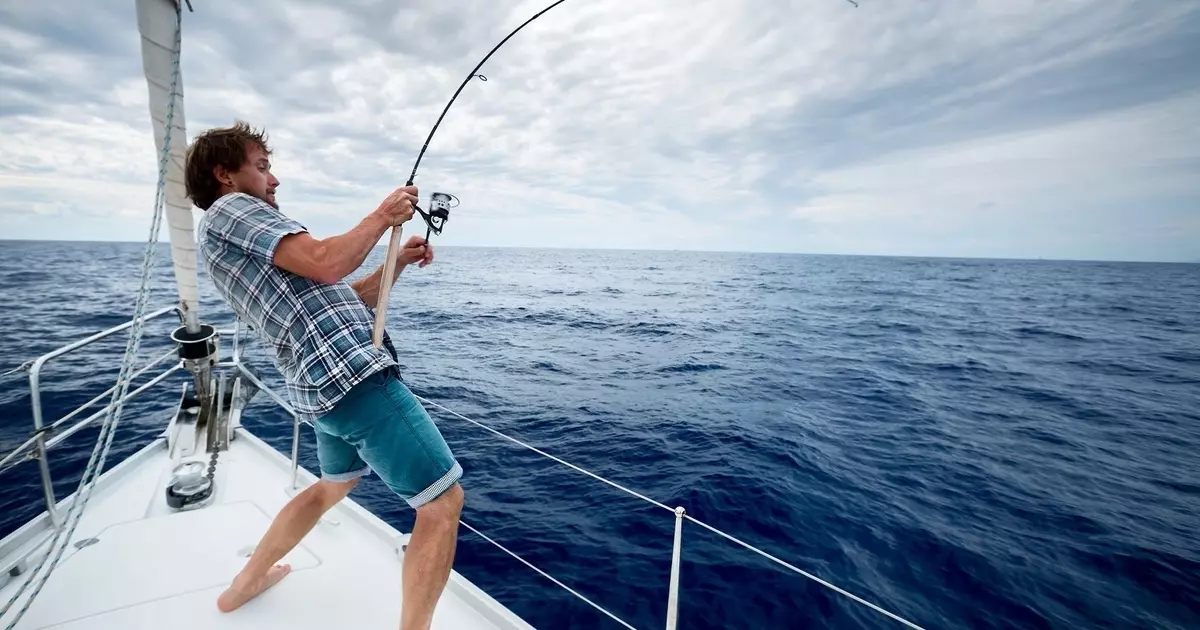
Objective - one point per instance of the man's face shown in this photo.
(255, 178)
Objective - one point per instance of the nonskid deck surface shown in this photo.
(151, 567)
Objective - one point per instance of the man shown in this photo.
(291, 288)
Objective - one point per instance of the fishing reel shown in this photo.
(439, 212)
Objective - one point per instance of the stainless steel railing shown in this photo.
(37, 446)
(236, 362)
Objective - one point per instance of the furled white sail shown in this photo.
(157, 23)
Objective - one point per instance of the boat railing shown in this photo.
(41, 441)
(678, 512)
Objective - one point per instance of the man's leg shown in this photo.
(291, 525)
(398, 440)
(429, 557)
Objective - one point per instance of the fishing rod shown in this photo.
(439, 203)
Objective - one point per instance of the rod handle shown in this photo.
(385, 285)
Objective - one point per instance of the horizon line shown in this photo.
(701, 251)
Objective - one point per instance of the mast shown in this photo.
(157, 23)
(160, 24)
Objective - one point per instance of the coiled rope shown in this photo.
(95, 466)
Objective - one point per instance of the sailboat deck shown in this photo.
(152, 567)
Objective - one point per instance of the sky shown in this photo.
(977, 128)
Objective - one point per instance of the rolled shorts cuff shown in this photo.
(436, 489)
(346, 476)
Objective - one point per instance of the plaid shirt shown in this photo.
(321, 333)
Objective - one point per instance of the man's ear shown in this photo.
(223, 175)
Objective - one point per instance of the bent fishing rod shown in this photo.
(439, 203)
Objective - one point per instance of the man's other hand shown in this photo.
(416, 250)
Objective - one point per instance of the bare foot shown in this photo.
(241, 591)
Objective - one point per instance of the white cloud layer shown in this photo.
(998, 128)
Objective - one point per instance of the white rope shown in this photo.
(95, 465)
(545, 454)
(548, 576)
(782, 563)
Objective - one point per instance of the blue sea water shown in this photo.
(969, 443)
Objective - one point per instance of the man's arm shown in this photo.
(330, 259)
(368, 287)
(416, 250)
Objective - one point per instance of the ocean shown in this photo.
(968, 443)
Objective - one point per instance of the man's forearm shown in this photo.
(341, 255)
(368, 287)
(330, 260)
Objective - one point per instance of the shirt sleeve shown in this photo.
(253, 226)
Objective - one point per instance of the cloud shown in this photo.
(1099, 186)
(1002, 128)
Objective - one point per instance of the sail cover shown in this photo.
(157, 23)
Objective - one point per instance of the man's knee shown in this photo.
(331, 492)
(447, 507)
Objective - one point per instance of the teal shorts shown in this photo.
(380, 425)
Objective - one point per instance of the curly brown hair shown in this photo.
(222, 146)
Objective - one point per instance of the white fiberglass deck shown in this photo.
(151, 567)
